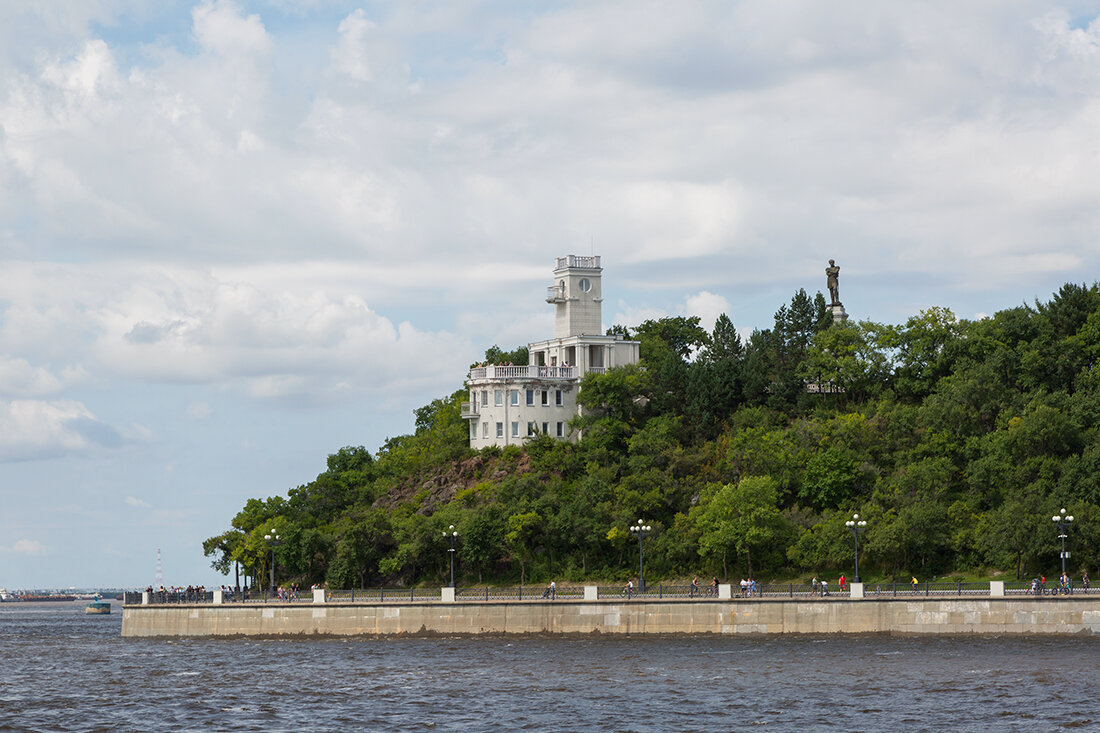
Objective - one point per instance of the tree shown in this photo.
(523, 531)
(482, 540)
(773, 355)
(682, 335)
(920, 350)
(714, 381)
(363, 539)
(846, 359)
(742, 517)
(518, 356)
(831, 478)
(616, 392)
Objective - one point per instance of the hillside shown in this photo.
(956, 440)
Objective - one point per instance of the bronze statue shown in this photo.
(832, 274)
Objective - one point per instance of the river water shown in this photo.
(63, 671)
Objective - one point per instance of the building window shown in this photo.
(515, 430)
(500, 430)
(484, 398)
(531, 429)
(546, 428)
(557, 398)
(561, 430)
(473, 430)
(498, 397)
(515, 396)
(530, 397)
(545, 397)
(484, 430)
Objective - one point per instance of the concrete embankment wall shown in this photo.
(1073, 615)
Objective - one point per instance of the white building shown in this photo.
(509, 404)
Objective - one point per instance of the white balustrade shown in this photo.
(532, 371)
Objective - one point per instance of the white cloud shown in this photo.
(221, 26)
(276, 334)
(138, 503)
(708, 307)
(351, 53)
(28, 547)
(35, 429)
(19, 379)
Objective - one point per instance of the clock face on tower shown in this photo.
(584, 285)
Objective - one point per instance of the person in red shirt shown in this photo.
(842, 586)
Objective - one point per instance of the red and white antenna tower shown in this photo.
(160, 572)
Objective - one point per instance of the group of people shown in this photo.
(291, 592)
(175, 593)
(711, 591)
(1065, 584)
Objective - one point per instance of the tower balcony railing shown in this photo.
(555, 294)
(590, 263)
(532, 371)
(470, 410)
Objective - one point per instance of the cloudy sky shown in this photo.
(236, 235)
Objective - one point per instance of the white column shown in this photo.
(145, 598)
(725, 590)
(997, 589)
(591, 593)
(218, 598)
(857, 590)
(318, 595)
(447, 595)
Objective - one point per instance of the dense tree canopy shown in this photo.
(956, 440)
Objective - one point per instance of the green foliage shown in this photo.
(739, 518)
(680, 335)
(519, 356)
(955, 440)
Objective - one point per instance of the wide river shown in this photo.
(63, 671)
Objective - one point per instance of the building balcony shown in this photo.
(504, 373)
(469, 411)
(577, 262)
(555, 294)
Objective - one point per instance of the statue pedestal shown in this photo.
(839, 314)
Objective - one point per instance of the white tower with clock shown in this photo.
(577, 297)
(510, 403)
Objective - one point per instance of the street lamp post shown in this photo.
(857, 525)
(1063, 521)
(452, 537)
(273, 540)
(641, 531)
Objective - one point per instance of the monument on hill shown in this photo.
(832, 279)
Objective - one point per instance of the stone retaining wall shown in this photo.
(1062, 615)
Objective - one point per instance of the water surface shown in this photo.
(62, 670)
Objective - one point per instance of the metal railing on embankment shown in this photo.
(520, 593)
(161, 598)
(382, 595)
(657, 592)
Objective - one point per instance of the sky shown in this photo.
(238, 235)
